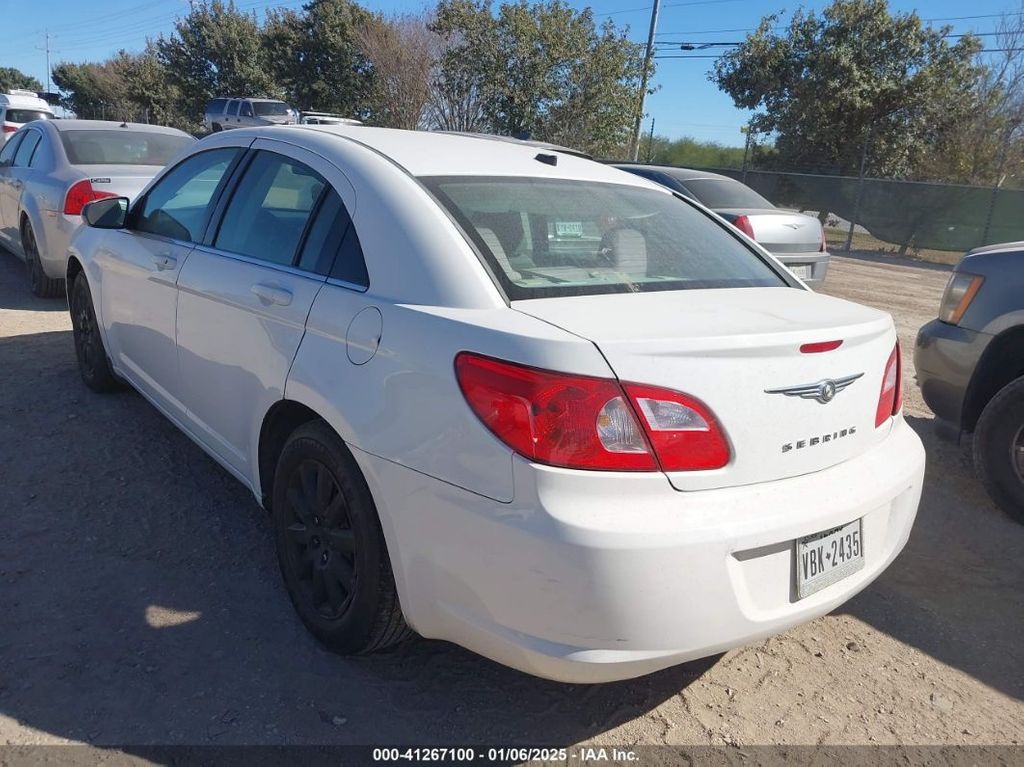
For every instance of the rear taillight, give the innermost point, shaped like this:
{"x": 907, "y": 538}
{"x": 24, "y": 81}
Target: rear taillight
{"x": 9, "y": 129}
{"x": 890, "y": 398}
{"x": 81, "y": 193}
{"x": 583, "y": 422}
{"x": 683, "y": 431}
{"x": 743, "y": 224}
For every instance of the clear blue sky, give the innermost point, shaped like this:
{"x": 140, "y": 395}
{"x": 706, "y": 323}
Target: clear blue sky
{"x": 686, "y": 104}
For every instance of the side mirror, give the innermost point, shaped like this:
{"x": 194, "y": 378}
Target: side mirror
{"x": 106, "y": 213}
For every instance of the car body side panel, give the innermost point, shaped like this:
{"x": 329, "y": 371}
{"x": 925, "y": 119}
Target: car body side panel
{"x": 410, "y": 409}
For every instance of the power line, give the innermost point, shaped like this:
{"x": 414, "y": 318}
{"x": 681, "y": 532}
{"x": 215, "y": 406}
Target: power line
{"x": 666, "y": 5}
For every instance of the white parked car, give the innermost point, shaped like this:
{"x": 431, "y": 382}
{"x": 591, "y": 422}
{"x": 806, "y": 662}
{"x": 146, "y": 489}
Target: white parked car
{"x": 18, "y": 107}
{"x": 509, "y": 398}
{"x": 51, "y": 168}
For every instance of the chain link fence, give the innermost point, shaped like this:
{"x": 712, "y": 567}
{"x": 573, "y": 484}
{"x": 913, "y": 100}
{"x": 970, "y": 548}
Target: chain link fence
{"x": 908, "y": 216}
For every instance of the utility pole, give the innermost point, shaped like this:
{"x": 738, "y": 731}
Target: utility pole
{"x": 634, "y": 144}
{"x": 747, "y": 129}
{"x": 650, "y": 142}
{"x": 46, "y": 47}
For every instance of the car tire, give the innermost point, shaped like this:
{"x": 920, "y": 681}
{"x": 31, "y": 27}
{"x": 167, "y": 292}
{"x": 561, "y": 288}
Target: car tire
{"x": 39, "y": 283}
{"x": 93, "y": 362}
{"x": 330, "y": 545}
{"x": 216, "y": 128}
{"x": 999, "y": 449}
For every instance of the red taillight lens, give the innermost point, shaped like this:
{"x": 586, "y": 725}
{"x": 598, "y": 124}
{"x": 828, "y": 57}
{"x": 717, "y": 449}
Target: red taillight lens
{"x": 743, "y": 224}
{"x": 683, "y": 431}
{"x": 582, "y": 422}
{"x": 80, "y": 194}
{"x": 890, "y": 398}
{"x": 9, "y": 129}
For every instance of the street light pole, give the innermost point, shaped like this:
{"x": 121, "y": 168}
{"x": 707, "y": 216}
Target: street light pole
{"x": 634, "y": 144}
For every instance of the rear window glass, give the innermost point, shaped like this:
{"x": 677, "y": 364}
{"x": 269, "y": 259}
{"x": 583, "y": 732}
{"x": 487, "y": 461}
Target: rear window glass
{"x": 725, "y": 193}
{"x": 121, "y": 147}
{"x": 548, "y": 237}
{"x": 270, "y": 108}
{"x": 216, "y": 106}
{"x": 25, "y": 115}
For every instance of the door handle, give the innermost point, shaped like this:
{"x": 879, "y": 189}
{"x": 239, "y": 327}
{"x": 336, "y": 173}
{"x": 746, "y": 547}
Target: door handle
{"x": 164, "y": 262}
{"x": 272, "y": 294}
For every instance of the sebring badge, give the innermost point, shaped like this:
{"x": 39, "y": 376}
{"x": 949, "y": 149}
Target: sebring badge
{"x": 822, "y": 391}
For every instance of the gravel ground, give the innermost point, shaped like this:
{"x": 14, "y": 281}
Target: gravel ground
{"x": 141, "y": 602}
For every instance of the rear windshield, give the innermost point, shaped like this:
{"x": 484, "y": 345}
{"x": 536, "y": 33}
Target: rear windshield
{"x": 725, "y": 193}
{"x": 216, "y": 106}
{"x": 550, "y": 237}
{"x": 25, "y": 115}
{"x": 121, "y": 147}
{"x": 265, "y": 108}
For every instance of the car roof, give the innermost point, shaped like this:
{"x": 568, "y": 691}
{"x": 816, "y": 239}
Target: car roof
{"x": 63, "y": 125}
{"x": 682, "y": 174}
{"x": 529, "y": 142}
{"x": 436, "y": 153}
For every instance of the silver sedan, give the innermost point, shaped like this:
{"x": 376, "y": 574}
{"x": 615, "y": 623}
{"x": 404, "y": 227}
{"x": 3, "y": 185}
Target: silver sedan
{"x": 49, "y": 169}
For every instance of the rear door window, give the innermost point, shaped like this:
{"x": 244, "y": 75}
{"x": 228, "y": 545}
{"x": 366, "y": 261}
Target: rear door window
{"x": 27, "y": 149}
{"x": 270, "y": 208}
{"x": 233, "y": 109}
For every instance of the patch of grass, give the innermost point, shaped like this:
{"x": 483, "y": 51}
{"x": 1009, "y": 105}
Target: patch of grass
{"x": 836, "y": 239}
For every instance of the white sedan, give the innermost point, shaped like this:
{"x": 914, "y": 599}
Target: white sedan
{"x": 510, "y": 398}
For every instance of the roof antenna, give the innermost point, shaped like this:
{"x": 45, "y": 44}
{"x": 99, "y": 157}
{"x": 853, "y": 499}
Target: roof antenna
{"x": 547, "y": 159}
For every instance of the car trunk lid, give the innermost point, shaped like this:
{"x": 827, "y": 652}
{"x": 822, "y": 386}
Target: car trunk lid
{"x": 733, "y": 349}
{"x": 779, "y": 231}
{"x": 121, "y": 180}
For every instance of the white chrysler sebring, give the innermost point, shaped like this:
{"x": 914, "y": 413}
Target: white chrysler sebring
{"x": 504, "y": 396}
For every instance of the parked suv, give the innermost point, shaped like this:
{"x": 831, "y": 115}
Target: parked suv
{"x": 18, "y": 107}
{"x": 225, "y": 113}
{"x": 970, "y": 366}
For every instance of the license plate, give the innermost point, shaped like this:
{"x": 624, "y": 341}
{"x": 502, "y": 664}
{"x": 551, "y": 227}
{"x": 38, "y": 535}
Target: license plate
{"x": 827, "y": 557}
{"x": 803, "y": 271}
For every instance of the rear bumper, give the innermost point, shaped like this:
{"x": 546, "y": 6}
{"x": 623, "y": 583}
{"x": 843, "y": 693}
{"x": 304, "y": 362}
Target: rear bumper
{"x": 593, "y": 577}
{"x": 816, "y": 262}
{"x": 945, "y": 357}
{"x": 53, "y": 254}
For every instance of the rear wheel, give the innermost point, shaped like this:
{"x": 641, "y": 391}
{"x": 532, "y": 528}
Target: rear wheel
{"x": 93, "y": 363}
{"x": 999, "y": 449}
{"x": 41, "y": 285}
{"x": 330, "y": 545}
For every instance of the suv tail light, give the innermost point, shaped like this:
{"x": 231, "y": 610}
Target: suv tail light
{"x": 743, "y": 224}
{"x": 10, "y": 129}
{"x": 583, "y": 422}
{"x": 81, "y": 193}
{"x": 890, "y": 398}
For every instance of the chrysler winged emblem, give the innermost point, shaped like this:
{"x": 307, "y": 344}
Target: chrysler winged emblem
{"x": 823, "y": 391}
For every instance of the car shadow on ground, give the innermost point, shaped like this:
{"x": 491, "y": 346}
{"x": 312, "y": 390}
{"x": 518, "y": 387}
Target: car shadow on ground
{"x": 955, "y": 591}
{"x": 142, "y": 602}
{"x": 16, "y": 293}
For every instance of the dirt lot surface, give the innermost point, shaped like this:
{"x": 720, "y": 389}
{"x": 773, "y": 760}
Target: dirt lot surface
{"x": 140, "y": 601}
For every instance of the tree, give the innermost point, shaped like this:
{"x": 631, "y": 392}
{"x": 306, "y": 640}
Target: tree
{"x": 316, "y": 57}
{"x": 11, "y": 78}
{"x": 855, "y": 75}
{"x": 400, "y": 52}
{"x": 542, "y": 69}
{"x": 216, "y": 50}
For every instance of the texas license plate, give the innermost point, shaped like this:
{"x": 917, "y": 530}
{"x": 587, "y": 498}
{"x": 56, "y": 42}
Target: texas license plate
{"x": 803, "y": 271}
{"x": 827, "y": 557}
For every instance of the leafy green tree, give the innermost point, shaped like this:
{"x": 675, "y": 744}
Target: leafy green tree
{"x": 216, "y": 50}
{"x": 316, "y": 57}
{"x": 11, "y": 78}
{"x": 542, "y": 69}
{"x": 828, "y": 84}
